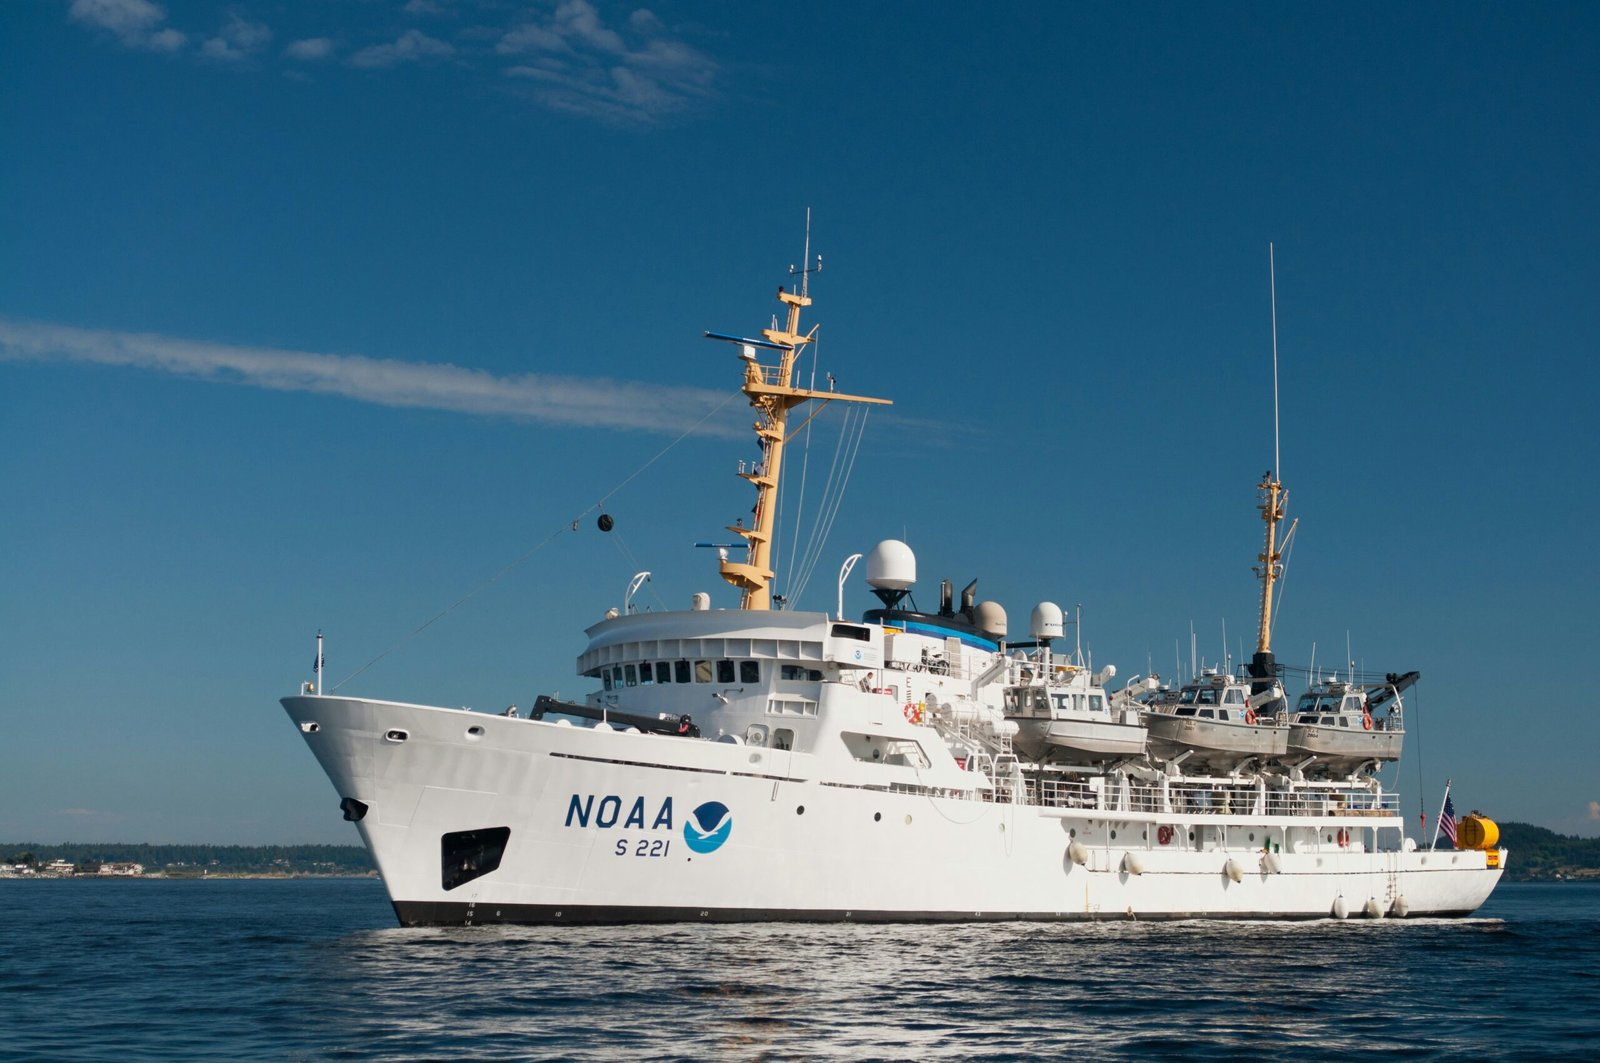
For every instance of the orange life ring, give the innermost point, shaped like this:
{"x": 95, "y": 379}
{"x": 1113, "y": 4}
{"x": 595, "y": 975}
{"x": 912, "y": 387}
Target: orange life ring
{"x": 1250, "y": 716}
{"x": 913, "y": 712}
{"x": 1344, "y": 838}
{"x": 1164, "y": 834}
{"x": 1366, "y": 721}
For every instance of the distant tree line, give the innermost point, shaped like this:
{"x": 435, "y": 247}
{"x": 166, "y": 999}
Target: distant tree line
{"x": 1537, "y": 853}
{"x": 212, "y": 859}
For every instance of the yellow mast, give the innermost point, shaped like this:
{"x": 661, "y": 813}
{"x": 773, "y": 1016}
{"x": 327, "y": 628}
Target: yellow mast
{"x": 772, "y": 393}
{"x": 1273, "y": 499}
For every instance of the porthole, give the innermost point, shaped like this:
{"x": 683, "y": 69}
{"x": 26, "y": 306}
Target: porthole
{"x": 908, "y": 821}
{"x": 1252, "y": 836}
{"x": 1145, "y": 834}
{"x": 1072, "y": 832}
{"x": 1191, "y": 835}
{"x": 1113, "y": 835}
{"x": 1002, "y": 828}
{"x": 395, "y": 735}
{"x": 877, "y": 817}
{"x": 800, "y": 810}
{"x": 474, "y": 732}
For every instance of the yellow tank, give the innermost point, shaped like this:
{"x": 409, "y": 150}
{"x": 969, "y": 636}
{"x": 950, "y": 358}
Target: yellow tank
{"x": 1477, "y": 832}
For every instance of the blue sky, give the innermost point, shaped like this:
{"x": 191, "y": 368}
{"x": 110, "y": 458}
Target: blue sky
{"x": 321, "y": 315}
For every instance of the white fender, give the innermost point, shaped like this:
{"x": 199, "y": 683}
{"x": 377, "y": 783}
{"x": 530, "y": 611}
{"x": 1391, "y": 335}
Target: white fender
{"x": 1233, "y": 870}
{"x": 1078, "y": 853}
{"x": 1132, "y": 864}
{"x": 1339, "y": 909}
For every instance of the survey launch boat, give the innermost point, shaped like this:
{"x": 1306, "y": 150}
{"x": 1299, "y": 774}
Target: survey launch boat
{"x": 765, "y": 763}
{"x": 1339, "y": 726}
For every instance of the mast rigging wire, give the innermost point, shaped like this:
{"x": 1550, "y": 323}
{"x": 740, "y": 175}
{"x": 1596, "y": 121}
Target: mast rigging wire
{"x": 850, "y": 437}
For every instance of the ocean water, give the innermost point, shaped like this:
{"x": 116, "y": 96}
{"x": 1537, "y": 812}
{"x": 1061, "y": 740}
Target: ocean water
{"x": 316, "y": 969}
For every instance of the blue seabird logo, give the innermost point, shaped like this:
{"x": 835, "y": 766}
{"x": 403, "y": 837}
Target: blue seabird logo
{"x": 708, "y": 827}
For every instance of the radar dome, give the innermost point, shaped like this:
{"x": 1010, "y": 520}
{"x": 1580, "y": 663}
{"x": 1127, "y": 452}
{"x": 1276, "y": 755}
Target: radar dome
{"x": 991, "y": 619}
{"x": 891, "y": 566}
{"x": 1045, "y": 623}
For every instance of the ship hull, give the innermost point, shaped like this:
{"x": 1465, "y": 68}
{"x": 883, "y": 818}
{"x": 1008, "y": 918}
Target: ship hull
{"x": 610, "y": 827}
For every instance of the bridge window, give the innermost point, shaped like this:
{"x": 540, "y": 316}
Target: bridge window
{"x": 724, "y": 671}
{"x": 630, "y": 675}
{"x": 702, "y": 671}
{"x": 749, "y": 671}
{"x": 680, "y": 671}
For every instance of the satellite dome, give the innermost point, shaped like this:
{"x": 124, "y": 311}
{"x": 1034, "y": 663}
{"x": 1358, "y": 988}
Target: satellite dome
{"x": 891, "y": 566}
{"x": 1045, "y": 623}
{"x": 991, "y": 619}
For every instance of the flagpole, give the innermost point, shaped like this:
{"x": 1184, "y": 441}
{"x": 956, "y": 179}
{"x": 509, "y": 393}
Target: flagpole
{"x": 1440, "y": 821}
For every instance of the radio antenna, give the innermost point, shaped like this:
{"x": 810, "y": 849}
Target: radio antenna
{"x": 1272, "y": 272}
{"x": 805, "y": 269}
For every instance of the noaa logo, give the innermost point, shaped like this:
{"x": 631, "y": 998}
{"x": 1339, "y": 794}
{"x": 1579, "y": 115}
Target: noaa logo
{"x": 708, "y": 827}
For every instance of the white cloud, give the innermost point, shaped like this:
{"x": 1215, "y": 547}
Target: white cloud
{"x": 312, "y": 48}
{"x": 412, "y": 46}
{"x": 135, "y": 23}
{"x": 535, "y": 397}
{"x": 237, "y": 39}
{"x": 1594, "y": 809}
{"x": 583, "y": 67}
{"x": 572, "y": 56}
{"x": 167, "y": 40}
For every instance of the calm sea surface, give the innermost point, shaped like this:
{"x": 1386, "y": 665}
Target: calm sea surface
{"x": 315, "y": 969}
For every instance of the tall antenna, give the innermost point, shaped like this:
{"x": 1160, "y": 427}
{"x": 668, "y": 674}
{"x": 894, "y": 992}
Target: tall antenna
{"x": 1272, "y": 273}
{"x": 1263, "y": 665}
{"x": 806, "y": 267}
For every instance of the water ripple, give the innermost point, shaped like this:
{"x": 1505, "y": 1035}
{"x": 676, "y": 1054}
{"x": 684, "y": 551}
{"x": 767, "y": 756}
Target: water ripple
{"x": 313, "y": 970}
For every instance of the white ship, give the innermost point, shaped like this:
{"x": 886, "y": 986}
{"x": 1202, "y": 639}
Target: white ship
{"x": 770, "y": 764}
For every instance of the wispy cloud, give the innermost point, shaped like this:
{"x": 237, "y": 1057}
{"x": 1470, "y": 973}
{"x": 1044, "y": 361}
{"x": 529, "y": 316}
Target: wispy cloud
{"x": 598, "y": 61}
{"x": 582, "y": 66}
{"x": 238, "y": 39}
{"x": 136, "y": 23}
{"x": 1594, "y": 809}
{"x": 546, "y": 399}
{"x": 412, "y": 46}
{"x": 309, "y": 49}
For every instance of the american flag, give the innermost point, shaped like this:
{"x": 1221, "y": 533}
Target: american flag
{"x": 1447, "y": 820}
